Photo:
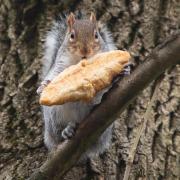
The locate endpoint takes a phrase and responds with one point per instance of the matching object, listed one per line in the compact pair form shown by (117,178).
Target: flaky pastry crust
(82,81)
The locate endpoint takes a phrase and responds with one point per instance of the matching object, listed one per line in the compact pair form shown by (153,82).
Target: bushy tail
(53,41)
(107,37)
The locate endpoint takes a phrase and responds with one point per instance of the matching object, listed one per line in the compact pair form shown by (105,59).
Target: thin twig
(141,129)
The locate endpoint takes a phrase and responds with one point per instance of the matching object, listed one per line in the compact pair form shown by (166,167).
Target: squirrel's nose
(84,52)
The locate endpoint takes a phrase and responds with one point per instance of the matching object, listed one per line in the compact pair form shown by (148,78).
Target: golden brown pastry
(82,81)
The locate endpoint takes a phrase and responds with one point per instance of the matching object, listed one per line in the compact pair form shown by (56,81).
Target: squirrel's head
(83,36)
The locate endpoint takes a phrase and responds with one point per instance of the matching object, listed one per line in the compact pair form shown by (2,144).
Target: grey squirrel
(67,43)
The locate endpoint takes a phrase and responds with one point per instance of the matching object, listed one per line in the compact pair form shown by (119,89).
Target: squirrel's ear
(93,17)
(70,21)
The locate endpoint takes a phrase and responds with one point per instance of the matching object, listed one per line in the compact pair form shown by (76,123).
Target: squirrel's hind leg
(49,141)
(69,131)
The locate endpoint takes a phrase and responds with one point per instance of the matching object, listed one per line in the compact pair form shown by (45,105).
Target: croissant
(82,81)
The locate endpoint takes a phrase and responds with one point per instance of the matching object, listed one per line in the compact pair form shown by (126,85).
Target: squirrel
(69,41)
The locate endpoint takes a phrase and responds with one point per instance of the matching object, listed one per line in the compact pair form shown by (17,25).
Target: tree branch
(116,100)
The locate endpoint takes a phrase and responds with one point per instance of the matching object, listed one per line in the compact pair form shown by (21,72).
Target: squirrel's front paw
(127,69)
(69,131)
(42,86)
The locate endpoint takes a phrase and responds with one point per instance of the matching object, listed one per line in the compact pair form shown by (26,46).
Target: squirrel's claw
(40,89)
(42,86)
(126,70)
(69,131)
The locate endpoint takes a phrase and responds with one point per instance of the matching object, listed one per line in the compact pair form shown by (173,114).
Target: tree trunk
(137,26)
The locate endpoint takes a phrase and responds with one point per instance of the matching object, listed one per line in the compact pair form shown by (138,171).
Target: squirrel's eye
(72,35)
(96,35)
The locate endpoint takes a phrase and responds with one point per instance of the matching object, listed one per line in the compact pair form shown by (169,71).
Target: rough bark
(114,102)
(137,26)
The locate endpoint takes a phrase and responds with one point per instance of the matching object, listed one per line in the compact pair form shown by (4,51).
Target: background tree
(137,26)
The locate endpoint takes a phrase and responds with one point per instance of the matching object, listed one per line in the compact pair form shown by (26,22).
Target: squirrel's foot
(69,131)
(126,70)
(42,86)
